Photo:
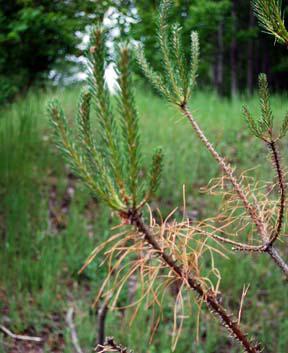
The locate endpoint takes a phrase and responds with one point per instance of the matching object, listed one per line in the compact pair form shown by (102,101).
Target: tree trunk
(250,54)
(218,65)
(234,50)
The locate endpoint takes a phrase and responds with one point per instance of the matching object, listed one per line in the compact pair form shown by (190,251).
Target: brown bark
(250,54)
(233,51)
(218,65)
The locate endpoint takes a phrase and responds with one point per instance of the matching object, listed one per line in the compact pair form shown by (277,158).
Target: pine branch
(130,129)
(154,177)
(102,165)
(271,19)
(163,35)
(281,186)
(251,209)
(108,125)
(76,160)
(92,155)
(267,116)
(262,129)
(252,125)
(181,67)
(284,126)
(155,78)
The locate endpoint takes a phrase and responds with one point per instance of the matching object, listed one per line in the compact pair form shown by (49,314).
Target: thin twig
(211,301)
(74,336)
(226,167)
(236,245)
(19,337)
(244,293)
(281,185)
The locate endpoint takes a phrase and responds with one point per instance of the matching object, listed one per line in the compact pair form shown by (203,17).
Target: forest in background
(39,36)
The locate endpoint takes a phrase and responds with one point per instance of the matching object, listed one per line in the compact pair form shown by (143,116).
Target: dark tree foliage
(229,35)
(36,34)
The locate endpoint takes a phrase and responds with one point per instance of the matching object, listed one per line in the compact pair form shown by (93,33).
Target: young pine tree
(109,162)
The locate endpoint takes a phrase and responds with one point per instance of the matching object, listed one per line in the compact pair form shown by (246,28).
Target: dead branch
(251,209)
(207,297)
(71,325)
(19,337)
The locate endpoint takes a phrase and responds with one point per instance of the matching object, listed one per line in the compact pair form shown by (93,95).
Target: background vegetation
(49,222)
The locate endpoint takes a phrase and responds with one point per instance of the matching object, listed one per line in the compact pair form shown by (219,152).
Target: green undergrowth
(40,254)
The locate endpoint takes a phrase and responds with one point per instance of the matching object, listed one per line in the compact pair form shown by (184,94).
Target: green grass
(39,264)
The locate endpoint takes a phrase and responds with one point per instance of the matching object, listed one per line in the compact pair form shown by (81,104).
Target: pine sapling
(111,166)
(178,92)
(109,162)
(111,170)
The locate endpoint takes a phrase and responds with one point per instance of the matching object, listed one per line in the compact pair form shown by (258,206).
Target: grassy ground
(49,224)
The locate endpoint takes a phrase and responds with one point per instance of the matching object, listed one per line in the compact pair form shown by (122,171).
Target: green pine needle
(108,125)
(284,126)
(129,121)
(156,170)
(179,78)
(271,19)
(263,128)
(155,79)
(181,66)
(154,176)
(76,160)
(251,122)
(167,55)
(84,117)
(267,116)
(101,166)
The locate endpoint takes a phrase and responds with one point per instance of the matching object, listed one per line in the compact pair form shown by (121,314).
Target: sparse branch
(74,336)
(252,210)
(19,337)
(229,172)
(208,298)
(281,185)
(262,128)
(236,245)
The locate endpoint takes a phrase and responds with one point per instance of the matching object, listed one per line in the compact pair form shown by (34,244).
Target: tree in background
(233,49)
(110,164)
(35,35)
